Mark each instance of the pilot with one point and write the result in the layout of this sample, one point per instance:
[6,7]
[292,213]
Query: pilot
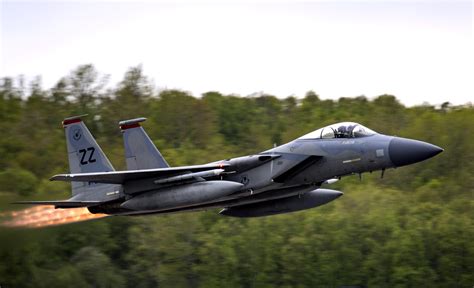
[350,128]
[341,132]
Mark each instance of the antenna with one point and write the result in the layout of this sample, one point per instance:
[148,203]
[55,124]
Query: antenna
[273,153]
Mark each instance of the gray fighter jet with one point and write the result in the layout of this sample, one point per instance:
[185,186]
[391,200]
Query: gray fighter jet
[284,179]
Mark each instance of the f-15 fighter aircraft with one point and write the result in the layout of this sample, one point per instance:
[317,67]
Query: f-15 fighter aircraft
[284,179]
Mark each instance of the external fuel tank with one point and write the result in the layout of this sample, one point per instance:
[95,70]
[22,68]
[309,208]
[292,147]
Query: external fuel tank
[308,200]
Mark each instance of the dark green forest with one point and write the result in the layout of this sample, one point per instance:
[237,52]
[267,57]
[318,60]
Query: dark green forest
[413,228]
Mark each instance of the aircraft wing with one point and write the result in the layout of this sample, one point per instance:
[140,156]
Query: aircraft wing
[61,203]
[120,177]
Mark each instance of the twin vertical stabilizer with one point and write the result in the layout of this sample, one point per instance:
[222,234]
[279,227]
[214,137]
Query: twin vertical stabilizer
[140,152]
[86,156]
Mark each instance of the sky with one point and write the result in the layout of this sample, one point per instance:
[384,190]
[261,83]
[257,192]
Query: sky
[418,51]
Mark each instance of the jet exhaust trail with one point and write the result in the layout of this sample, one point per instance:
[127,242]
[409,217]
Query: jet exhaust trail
[43,216]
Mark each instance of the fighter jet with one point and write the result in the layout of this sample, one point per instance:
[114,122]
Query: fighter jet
[283,179]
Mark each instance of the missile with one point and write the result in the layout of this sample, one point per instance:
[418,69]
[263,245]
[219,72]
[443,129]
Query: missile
[182,195]
[308,200]
[245,163]
[331,181]
[189,176]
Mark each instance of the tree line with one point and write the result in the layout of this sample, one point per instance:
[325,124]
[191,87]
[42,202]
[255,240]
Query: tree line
[412,228]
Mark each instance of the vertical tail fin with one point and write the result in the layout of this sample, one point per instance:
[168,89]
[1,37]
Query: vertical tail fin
[140,152]
[85,155]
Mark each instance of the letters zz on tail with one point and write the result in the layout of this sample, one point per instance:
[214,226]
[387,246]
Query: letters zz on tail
[85,155]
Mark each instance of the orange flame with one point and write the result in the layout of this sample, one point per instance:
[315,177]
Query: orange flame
[42,216]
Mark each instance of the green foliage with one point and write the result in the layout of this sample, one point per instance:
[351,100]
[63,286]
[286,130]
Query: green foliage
[19,181]
[96,268]
[411,229]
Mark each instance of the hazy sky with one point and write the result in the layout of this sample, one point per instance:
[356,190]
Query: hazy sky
[420,51]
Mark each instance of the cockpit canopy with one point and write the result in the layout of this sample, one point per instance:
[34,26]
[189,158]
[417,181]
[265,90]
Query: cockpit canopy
[340,130]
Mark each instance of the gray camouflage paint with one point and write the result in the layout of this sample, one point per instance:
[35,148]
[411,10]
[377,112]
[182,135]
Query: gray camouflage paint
[85,155]
[333,158]
[283,179]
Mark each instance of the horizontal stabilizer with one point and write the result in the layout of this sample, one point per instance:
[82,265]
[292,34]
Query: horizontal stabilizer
[61,203]
[120,177]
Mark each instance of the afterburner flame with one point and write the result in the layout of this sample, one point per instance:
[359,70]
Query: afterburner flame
[42,216]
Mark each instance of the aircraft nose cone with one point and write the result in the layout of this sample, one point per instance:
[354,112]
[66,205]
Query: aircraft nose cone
[407,151]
